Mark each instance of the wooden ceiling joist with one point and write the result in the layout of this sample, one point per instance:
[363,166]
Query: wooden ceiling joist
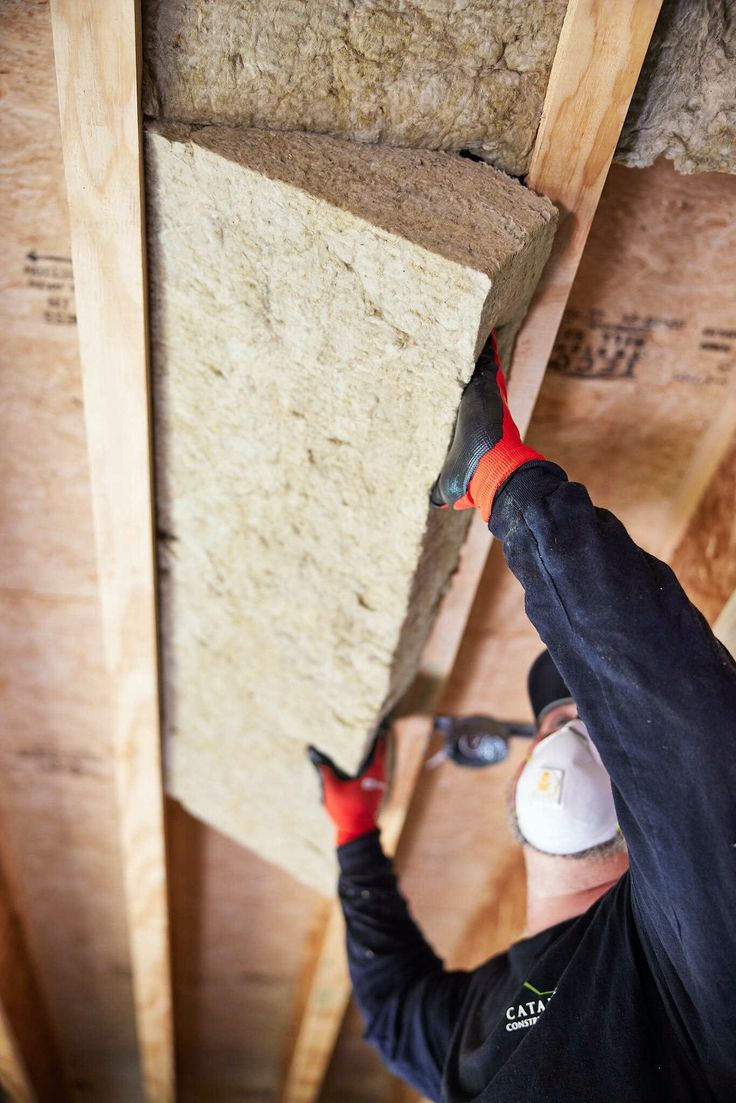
[725,625]
[14,1077]
[596,66]
[97,59]
[30,1065]
[598,59]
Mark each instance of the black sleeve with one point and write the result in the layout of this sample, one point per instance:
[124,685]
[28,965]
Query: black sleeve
[408,1002]
[658,694]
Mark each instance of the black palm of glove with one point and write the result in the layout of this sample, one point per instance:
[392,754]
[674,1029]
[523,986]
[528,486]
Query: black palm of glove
[486,445]
[353,802]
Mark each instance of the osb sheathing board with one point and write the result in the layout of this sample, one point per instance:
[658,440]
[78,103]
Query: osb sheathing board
[317,308]
[439,75]
[57,800]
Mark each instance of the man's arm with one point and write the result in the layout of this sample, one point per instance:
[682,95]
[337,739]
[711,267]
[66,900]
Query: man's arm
[655,688]
[409,1003]
[658,694]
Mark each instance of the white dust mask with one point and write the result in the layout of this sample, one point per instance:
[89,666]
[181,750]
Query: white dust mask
[564,802]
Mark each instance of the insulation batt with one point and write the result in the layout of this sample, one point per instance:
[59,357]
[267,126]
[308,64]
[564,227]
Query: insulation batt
[684,106]
[317,307]
[429,73]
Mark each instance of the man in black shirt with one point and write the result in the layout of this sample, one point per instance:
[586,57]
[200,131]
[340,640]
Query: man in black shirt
[629,996]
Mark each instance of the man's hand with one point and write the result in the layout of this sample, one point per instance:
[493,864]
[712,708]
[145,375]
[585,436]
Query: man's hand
[353,802]
[486,446]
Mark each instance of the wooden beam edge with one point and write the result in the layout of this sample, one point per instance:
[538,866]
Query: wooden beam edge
[97,57]
[31,1066]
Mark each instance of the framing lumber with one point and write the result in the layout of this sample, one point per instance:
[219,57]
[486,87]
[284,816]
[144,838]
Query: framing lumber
[14,1079]
[725,625]
[30,1065]
[715,456]
[596,66]
[97,58]
[58,839]
[705,557]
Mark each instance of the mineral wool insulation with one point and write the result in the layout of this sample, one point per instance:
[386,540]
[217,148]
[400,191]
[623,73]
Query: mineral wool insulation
[439,74]
[317,309]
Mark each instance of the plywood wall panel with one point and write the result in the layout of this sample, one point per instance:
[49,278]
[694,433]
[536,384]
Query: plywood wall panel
[645,360]
[241,933]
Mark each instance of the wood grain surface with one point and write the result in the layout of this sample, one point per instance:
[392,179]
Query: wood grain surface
[97,51]
[30,1062]
[598,59]
[59,836]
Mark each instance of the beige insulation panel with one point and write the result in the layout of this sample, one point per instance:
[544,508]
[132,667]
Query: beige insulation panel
[439,74]
[684,106]
[317,307]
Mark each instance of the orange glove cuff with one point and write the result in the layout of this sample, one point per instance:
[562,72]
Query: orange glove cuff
[498,462]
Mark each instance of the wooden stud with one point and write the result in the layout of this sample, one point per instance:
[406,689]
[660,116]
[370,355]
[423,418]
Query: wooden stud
[328,1000]
[725,626]
[30,1064]
[58,831]
[714,456]
[597,63]
[97,55]
[705,557]
[14,1079]
[596,66]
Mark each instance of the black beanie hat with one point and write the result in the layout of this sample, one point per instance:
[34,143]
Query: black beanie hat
[545,684]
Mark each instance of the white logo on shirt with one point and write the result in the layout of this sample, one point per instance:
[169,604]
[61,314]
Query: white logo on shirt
[521,1015]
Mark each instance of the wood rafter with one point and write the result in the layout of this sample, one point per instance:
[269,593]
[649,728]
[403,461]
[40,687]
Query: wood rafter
[14,1077]
[593,76]
[30,1065]
[725,625]
[97,57]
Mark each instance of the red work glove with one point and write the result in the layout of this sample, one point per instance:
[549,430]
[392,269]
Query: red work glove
[486,446]
[353,802]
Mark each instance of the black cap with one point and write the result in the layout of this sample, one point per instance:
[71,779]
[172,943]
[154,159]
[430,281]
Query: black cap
[545,685]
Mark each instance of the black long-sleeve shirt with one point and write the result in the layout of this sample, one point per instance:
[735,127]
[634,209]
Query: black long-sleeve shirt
[635,1000]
